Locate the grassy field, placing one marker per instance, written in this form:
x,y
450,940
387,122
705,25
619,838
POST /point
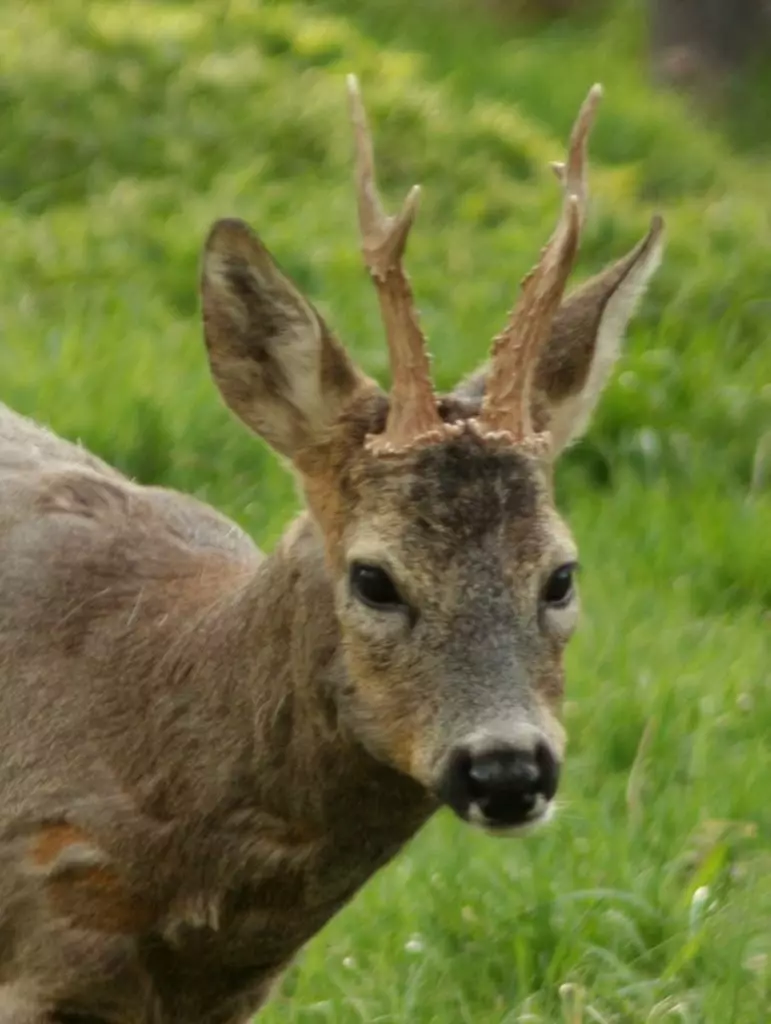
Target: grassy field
x,y
128,126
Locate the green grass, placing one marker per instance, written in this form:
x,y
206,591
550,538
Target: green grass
x,y
129,126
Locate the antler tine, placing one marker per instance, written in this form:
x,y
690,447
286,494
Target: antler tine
x,y
516,350
572,175
412,415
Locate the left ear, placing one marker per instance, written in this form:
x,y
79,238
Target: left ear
x,y
275,362
584,345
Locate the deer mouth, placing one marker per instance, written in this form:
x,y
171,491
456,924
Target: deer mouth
x,y
541,815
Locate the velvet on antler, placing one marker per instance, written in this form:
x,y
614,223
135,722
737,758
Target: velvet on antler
x,y
516,350
413,415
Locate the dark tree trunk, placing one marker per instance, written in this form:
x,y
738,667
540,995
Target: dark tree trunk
x,y
696,39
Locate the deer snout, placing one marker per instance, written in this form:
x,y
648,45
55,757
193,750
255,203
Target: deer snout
x,y
500,786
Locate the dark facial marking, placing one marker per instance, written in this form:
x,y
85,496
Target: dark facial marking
x,y
273,318
464,488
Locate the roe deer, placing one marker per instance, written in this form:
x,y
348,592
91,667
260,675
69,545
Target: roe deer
x,y
206,751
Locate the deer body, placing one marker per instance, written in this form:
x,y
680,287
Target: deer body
x,y
207,751
166,772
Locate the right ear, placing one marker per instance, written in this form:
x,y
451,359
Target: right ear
x,y
275,362
584,345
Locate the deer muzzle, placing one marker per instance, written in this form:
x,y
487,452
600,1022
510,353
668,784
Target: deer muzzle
x,y
503,785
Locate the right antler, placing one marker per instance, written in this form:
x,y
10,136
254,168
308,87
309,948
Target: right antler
x,y
412,415
516,350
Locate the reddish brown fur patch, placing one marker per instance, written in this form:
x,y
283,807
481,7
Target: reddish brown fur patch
x,y
97,899
54,840
402,747
91,897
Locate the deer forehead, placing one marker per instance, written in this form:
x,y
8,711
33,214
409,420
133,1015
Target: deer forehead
x,y
460,500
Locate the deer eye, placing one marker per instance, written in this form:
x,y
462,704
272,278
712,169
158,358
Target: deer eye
x,y
560,585
374,586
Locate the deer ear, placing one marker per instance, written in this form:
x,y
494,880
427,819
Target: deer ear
x,y
584,345
275,362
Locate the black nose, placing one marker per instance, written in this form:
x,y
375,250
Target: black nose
x,y
503,783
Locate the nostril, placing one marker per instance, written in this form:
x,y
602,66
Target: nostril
x,y
455,786
548,770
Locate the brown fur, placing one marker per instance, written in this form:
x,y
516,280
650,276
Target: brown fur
x,y
207,751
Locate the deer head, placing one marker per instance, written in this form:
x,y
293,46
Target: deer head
x,y
452,572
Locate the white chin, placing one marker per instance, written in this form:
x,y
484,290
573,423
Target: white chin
x,y
542,814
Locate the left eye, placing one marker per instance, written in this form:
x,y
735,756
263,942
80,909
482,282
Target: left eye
x,y
374,586
559,586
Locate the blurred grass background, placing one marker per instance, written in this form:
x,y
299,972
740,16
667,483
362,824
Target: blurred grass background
x,y
129,126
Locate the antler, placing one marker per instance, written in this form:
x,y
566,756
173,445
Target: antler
x,y
516,350
412,415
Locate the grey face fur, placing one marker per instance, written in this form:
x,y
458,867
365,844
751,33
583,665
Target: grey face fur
x,y
471,656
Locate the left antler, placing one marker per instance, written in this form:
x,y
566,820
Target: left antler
x,y
412,415
516,350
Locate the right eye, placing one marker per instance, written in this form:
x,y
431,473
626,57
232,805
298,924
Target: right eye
x,y
374,586
559,586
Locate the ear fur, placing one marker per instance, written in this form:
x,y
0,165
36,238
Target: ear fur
x,y
275,362
585,342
